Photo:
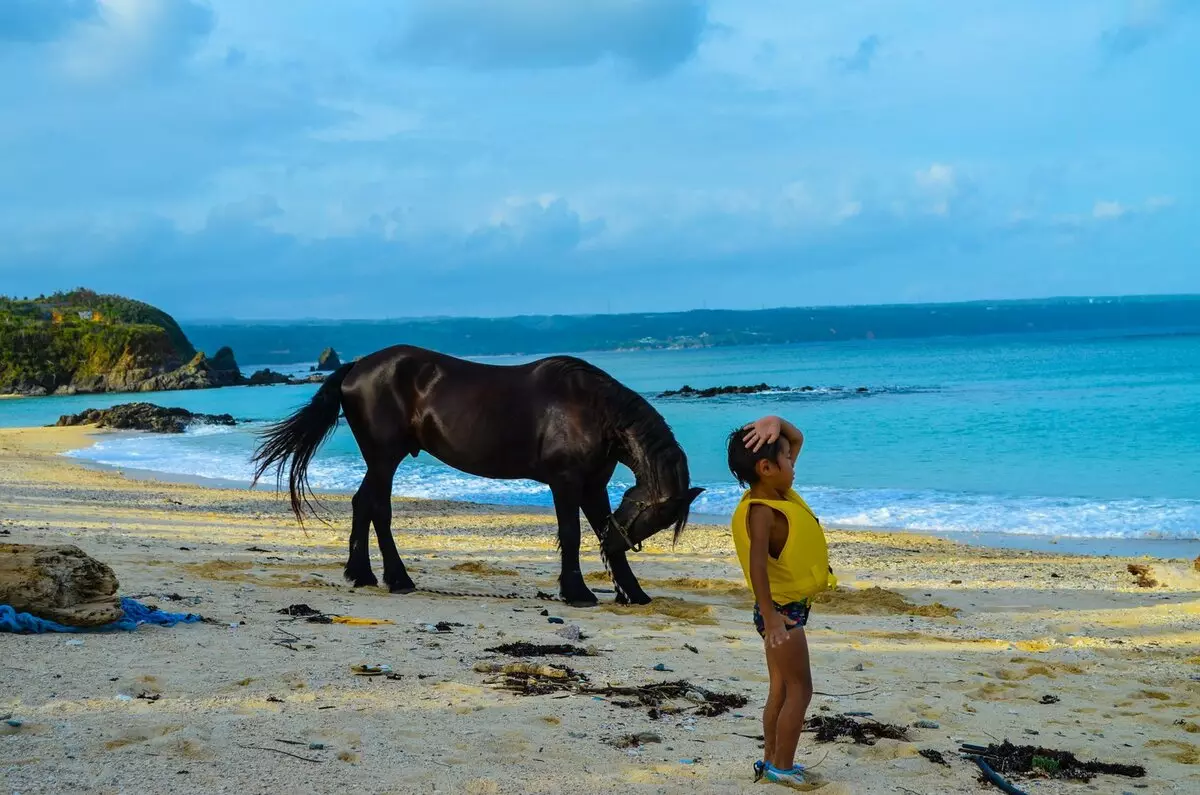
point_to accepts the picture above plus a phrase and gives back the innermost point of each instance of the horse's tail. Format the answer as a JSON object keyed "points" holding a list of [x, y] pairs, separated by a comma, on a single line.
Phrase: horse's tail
{"points": [[298, 438]]}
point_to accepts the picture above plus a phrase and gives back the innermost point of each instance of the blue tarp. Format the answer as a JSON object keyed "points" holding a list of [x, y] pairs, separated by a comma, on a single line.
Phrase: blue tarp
{"points": [[136, 614]]}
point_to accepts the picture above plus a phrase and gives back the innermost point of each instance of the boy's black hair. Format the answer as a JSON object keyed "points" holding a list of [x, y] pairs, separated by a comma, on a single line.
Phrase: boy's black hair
{"points": [[743, 461]]}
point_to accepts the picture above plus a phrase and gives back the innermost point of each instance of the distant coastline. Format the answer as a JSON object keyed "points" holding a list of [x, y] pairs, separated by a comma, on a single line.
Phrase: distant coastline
{"points": [[283, 342]]}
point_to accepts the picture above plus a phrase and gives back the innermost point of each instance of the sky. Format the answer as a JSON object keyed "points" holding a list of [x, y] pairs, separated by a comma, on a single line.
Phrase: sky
{"points": [[365, 159]]}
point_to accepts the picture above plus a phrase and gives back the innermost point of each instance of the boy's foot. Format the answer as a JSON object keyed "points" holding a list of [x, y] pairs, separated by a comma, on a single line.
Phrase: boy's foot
{"points": [[788, 778]]}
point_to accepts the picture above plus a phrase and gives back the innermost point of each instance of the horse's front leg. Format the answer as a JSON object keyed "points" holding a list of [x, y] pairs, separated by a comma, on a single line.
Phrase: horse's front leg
{"points": [[598, 510], [571, 587], [395, 576]]}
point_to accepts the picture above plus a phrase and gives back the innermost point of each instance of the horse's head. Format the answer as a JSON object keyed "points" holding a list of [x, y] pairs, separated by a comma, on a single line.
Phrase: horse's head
{"points": [[641, 515]]}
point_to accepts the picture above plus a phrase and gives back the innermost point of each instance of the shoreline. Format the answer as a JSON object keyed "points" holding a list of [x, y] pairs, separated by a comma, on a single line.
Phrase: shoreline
{"points": [[967, 639], [1167, 549]]}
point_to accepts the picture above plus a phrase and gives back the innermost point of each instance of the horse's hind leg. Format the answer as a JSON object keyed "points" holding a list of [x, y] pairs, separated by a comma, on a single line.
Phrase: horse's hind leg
{"points": [[571, 587], [395, 576], [358, 564], [598, 510]]}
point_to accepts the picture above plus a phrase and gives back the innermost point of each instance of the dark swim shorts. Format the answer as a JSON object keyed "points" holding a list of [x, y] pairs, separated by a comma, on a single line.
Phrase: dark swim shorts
{"points": [[793, 612]]}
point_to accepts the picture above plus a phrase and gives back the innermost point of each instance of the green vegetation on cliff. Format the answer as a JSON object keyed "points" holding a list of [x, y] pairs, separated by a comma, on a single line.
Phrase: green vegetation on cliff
{"points": [[85, 341]]}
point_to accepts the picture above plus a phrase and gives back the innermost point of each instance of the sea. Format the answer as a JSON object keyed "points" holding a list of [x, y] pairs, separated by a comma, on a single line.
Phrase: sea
{"points": [[1072, 441]]}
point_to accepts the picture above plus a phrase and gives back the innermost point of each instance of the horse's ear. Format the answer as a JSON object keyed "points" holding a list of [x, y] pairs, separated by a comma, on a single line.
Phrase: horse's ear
{"points": [[693, 493]]}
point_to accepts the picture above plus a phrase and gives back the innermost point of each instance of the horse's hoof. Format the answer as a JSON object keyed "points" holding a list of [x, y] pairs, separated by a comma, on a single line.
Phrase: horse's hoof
{"points": [[581, 602], [402, 589], [369, 581], [636, 599]]}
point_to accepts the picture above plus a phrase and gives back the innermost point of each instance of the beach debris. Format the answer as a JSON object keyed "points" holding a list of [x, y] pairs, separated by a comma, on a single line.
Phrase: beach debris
{"points": [[1048, 699], [528, 679], [691, 648], [281, 751], [301, 610], [356, 621], [634, 740], [523, 649], [1008, 759], [555, 620], [147, 696], [571, 632], [829, 728], [440, 628], [707, 703], [256, 549], [663, 667], [934, 756], [275, 699], [75, 642], [370, 670], [858, 667], [1143, 573], [15, 723], [924, 724]]}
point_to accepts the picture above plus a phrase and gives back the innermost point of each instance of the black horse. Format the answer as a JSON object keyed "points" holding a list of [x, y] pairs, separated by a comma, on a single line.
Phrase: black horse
{"points": [[560, 421]]}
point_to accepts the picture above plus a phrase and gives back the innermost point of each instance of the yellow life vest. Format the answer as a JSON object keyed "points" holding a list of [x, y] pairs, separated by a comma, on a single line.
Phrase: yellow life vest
{"points": [[802, 569]]}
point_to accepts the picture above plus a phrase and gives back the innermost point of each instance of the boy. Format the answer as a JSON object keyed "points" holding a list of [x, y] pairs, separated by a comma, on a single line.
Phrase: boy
{"points": [[783, 555]]}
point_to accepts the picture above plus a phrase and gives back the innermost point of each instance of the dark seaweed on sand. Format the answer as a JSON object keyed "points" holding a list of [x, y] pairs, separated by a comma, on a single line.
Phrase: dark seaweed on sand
{"points": [[523, 649], [863, 731], [1008, 759], [711, 703]]}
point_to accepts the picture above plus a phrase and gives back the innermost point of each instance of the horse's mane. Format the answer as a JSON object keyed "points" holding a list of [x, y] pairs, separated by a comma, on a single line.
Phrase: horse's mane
{"points": [[634, 425]]}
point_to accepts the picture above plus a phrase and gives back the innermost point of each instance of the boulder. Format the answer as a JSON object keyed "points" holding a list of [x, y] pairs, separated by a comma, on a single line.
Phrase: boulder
{"points": [[268, 377], [328, 361], [143, 417], [60, 583]]}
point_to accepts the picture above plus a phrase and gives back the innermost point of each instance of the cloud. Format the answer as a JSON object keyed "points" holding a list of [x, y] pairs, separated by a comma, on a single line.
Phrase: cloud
{"points": [[651, 37], [131, 38], [1144, 22], [36, 21], [863, 56], [1108, 210]]}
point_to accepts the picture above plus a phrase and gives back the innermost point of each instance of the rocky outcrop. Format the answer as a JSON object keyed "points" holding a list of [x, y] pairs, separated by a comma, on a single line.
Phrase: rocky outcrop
{"points": [[327, 362], [143, 417], [716, 391], [59, 583], [82, 342], [269, 377], [200, 373]]}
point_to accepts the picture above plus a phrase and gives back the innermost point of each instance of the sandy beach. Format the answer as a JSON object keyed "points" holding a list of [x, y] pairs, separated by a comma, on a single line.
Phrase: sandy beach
{"points": [[970, 640]]}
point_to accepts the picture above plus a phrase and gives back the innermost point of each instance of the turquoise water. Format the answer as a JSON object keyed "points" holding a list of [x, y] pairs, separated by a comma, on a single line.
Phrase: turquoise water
{"points": [[1040, 436]]}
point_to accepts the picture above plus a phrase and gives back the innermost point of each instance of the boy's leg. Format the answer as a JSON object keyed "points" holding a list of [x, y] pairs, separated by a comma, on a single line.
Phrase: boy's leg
{"points": [[775, 697], [790, 661]]}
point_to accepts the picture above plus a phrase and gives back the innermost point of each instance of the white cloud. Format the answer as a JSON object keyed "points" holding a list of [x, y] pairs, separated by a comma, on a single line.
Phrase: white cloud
{"points": [[131, 38], [1108, 210]]}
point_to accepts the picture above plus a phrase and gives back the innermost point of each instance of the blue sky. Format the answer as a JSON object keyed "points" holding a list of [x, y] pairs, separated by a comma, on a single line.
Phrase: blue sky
{"points": [[280, 158]]}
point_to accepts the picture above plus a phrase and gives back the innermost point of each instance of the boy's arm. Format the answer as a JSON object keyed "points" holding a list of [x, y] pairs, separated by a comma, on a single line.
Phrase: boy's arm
{"points": [[793, 435], [770, 428], [759, 524]]}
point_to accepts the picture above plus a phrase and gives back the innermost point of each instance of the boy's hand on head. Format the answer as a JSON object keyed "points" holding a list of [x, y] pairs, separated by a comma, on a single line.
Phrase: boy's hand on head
{"points": [[763, 431]]}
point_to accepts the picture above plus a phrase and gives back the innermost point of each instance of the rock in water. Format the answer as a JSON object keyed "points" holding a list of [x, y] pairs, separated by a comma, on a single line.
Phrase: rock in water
{"points": [[60, 583], [328, 361], [143, 417], [268, 377]]}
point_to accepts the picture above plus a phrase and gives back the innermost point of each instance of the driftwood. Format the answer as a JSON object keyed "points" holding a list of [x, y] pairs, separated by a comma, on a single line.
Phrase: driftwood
{"points": [[60, 583]]}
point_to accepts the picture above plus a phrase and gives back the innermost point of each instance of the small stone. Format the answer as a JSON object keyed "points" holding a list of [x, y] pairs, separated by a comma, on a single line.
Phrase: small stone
{"points": [[927, 724]]}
